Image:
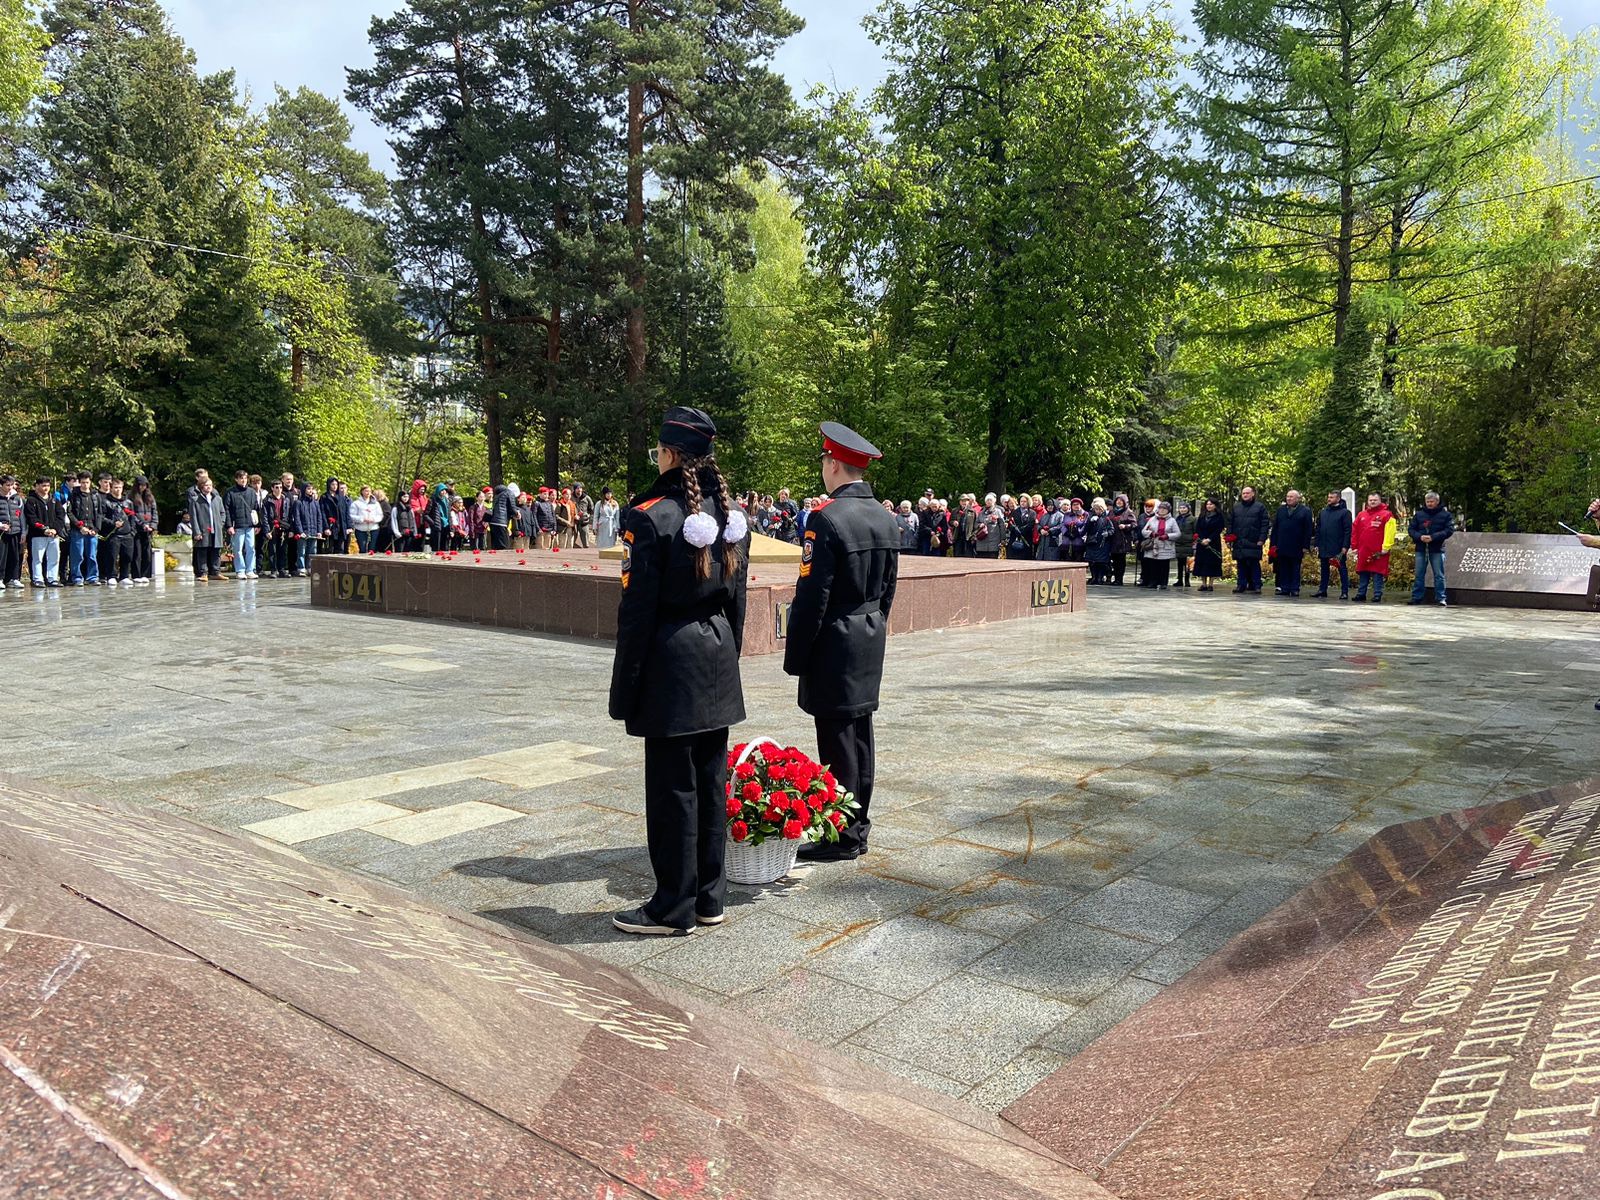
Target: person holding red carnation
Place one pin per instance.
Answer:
(675, 680)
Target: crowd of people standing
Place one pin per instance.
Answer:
(92, 530)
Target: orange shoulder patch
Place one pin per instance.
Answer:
(648, 504)
(821, 504)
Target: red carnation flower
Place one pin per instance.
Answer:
(792, 830)
(751, 791)
(734, 807)
(775, 815)
(745, 771)
(801, 812)
(738, 831)
(837, 820)
(555, 549)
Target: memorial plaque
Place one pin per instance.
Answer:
(185, 1013)
(1422, 1023)
(1521, 569)
(361, 587)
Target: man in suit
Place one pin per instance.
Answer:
(839, 624)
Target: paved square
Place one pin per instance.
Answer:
(1070, 814)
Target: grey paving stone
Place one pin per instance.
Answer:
(767, 947)
(1063, 960)
(1104, 1013)
(1142, 909)
(1016, 1079)
(897, 1066)
(903, 956)
(939, 865)
(998, 904)
(817, 1007)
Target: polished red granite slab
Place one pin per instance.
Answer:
(1421, 1023)
(192, 1014)
(575, 592)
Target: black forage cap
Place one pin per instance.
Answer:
(689, 430)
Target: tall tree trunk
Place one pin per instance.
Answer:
(638, 418)
(490, 397)
(1345, 247)
(552, 344)
(994, 471)
(1390, 373)
(297, 368)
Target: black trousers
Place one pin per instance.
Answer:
(144, 556)
(1344, 576)
(106, 558)
(1157, 571)
(1183, 569)
(123, 559)
(207, 562)
(501, 537)
(1286, 573)
(12, 552)
(685, 816)
(845, 747)
(1119, 567)
(1249, 570)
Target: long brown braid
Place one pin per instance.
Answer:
(691, 488)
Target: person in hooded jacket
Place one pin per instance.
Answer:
(403, 527)
(335, 519)
(1372, 535)
(307, 527)
(1248, 530)
(117, 523)
(146, 521)
(1185, 542)
(503, 516)
(275, 528)
(45, 519)
(1334, 525)
(675, 678)
(439, 518)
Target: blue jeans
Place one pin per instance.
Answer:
(83, 562)
(45, 558)
(1377, 582)
(1425, 558)
(304, 549)
(1327, 575)
(244, 551)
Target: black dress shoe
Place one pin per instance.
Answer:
(819, 852)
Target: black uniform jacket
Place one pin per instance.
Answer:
(850, 561)
(678, 636)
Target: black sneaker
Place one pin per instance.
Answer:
(636, 920)
(700, 919)
(1321, 596)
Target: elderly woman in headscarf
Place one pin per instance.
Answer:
(1160, 535)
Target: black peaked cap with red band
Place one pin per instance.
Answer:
(690, 430)
(848, 446)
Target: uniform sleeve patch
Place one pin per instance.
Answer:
(810, 534)
(627, 559)
(805, 570)
(805, 551)
(627, 536)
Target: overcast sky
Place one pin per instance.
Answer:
(310, 42)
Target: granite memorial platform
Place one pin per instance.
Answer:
(1421, 1023)
(187, 1015)
(575, 592)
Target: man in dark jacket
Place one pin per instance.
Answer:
(1248, 531)
(208, 518)
(839, 624)
(45, 519)
(1294, 531)
(335, 519)
(1124, 536)
(1333, 543)
(103, 549)
(503, 516)
(11, 530)
(307, 522)
(243, 506)
(1431, 527)
(276, 540)
(83, 516)
(117, 527)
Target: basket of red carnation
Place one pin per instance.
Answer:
(778, 799)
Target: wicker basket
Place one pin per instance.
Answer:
(766, 863)
(772, 859)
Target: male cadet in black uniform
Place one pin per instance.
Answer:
(849, 561)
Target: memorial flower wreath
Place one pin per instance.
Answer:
(777, 799)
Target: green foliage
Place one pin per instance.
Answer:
(1350, 440)
(1013, 215)
(22, 44)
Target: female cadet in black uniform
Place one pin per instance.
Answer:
(676, 678)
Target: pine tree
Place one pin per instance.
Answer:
(1351, 439)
